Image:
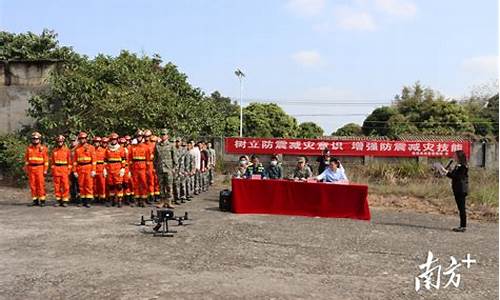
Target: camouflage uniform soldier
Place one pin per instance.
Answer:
(192, 169)
(164, 165)
(302, 171)
(178, 167)
(212, 160)
(186, 172)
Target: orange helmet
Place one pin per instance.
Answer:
(96, 139)
(147, 133)
(82, 135)
(60, 138)
(36, 135)
(113, 136)
(105, 140)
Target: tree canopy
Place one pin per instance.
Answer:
(268, 120)
(122, 94)
(31, 46)
(350, 129)
(310, 130)
(419, 110)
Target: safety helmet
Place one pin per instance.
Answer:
(113, 136)
(36, 135)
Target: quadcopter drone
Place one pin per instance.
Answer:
(160, 220)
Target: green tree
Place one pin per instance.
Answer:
(30, 46)
(267, 120)
(350, 129)
(121, 94)
(309, 130)
(227, 113)
(377, 122)
(418, 110)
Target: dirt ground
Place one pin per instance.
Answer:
(101, 253)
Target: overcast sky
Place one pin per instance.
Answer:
(327, 54)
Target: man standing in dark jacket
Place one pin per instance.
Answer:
(460, 186)
(323, 160)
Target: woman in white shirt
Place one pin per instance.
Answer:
(334, 173)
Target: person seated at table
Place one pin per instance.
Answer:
(274, 171)
(333, 173)
(302, 171)
(255, 168)
(242, 167)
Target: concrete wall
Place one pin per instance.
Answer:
(20, 80)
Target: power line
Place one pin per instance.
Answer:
(318, 102)
(328, 115)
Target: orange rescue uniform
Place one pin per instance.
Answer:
(61, 167)
(115, 161)
(99, 179)
(36, 160)
(153, 185)
(84, 162)
(140, 158)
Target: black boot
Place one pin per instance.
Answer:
(63, 204)
(86, 203)
(35, 203)
(42, 203)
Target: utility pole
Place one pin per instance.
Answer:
(240, 76)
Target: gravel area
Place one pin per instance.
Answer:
(101, 253)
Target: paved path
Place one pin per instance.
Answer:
(99, 253)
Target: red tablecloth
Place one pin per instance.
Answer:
(300, 198)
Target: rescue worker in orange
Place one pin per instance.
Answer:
(151, 173)
(36, 160)
(84, 168)
(127, 177)
(157, 193)
(60, 160)
(140, 158)
(73, 185)
(100, 172)
(104, 145)
(116, 161)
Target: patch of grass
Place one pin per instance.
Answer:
(418, 181)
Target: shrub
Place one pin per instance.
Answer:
(12, 150)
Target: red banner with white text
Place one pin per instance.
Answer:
(345, 147)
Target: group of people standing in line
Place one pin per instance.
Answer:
(329, 169)
(118, 170)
